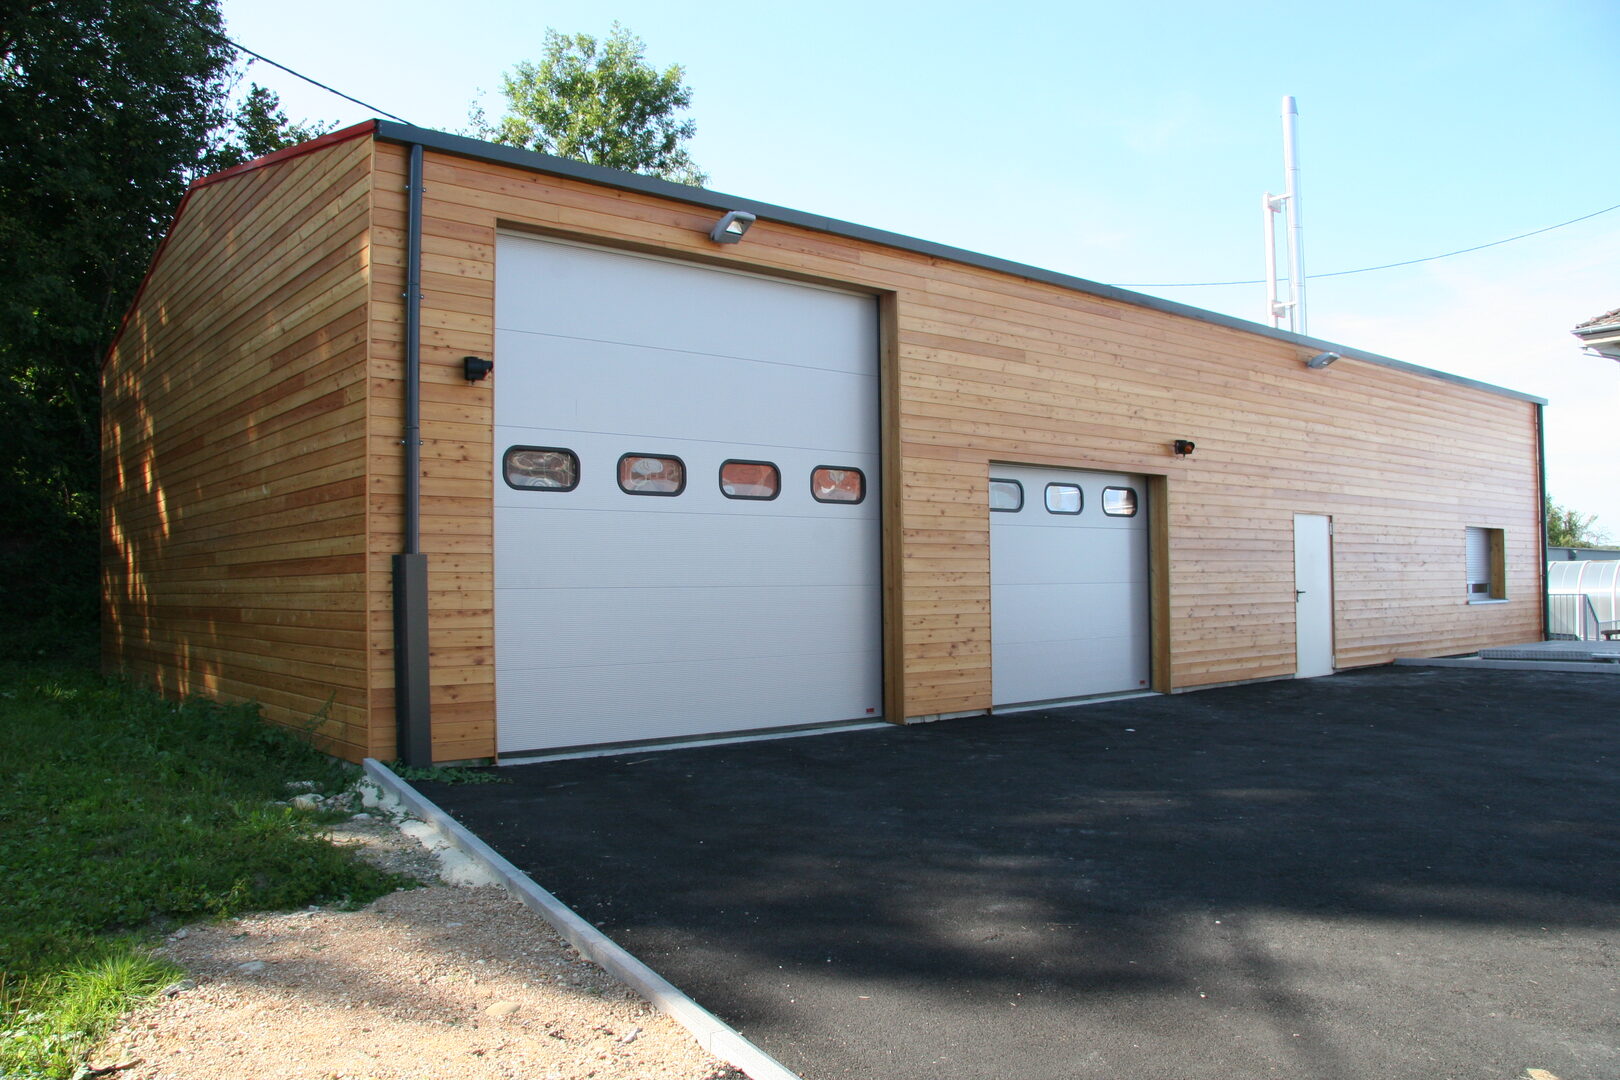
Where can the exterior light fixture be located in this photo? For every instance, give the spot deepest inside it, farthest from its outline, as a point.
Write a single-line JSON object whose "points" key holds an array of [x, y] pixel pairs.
{"points": [[1184, 447], [475, 368], [730, 229], [1321, 360]]}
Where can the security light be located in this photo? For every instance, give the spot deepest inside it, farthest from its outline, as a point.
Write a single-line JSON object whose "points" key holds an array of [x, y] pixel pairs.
{"points": [[1321, 360], [730, 229]]}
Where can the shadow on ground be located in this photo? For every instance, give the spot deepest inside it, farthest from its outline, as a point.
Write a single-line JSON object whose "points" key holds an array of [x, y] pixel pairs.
{"points": [[1398, 872]]}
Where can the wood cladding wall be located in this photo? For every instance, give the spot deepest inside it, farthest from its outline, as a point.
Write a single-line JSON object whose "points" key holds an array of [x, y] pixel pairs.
{"points": [[233, 447], [988, 367]]}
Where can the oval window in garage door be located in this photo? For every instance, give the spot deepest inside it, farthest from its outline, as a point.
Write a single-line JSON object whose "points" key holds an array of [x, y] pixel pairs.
{"points": [[646, 474], [834, 485], [750, 480], [541, 468]]}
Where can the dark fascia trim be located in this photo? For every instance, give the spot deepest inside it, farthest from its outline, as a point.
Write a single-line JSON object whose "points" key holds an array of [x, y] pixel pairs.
{"points": [[478, 150]]}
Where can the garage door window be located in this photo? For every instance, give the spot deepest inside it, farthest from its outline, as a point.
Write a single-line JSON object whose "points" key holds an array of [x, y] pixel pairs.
{"points": [[1063, 499], [750, 480], [834, 485], [1007, 496], [541, 468], [1119, 502], [645, 474]]}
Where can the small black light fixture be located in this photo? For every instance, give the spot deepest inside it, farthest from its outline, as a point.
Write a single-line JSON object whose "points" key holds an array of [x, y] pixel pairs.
{"points": [[476, 368], [730, 228], [1184, 447], [1321, 360]]}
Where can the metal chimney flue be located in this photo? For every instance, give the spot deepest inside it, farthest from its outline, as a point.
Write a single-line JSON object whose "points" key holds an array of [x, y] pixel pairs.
{"points": [[1287, 203]]}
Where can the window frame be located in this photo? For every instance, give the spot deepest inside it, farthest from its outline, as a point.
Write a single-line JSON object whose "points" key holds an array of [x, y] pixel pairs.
{"points": [[1006, 509], [838, 468], [506, 457], [1136, 502], [618, 474], [1079, 492], [720, 479], [1495, 565]]}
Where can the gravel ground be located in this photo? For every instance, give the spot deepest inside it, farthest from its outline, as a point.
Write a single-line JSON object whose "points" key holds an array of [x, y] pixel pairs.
{"points": [[449, 982]]}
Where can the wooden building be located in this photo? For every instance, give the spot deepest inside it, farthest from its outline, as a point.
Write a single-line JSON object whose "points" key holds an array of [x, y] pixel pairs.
{"points": [[809, 474]]}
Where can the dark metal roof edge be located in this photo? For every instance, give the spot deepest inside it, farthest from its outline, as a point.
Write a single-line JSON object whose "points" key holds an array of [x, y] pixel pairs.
{"points": [[715, 200]]}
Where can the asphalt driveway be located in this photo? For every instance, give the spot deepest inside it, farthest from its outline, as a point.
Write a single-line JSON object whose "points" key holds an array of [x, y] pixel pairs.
{"points": [[1396, 873]]}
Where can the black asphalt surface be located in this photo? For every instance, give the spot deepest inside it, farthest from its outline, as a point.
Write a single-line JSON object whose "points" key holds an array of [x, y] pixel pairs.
{"points": [[1388, 874]]}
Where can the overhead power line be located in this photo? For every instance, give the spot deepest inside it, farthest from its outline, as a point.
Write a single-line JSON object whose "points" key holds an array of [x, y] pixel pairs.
{"points": [[313, 82], [1369, 269]]}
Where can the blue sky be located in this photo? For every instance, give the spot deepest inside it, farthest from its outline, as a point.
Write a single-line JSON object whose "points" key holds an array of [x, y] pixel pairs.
{"points": [[1128, 144]]}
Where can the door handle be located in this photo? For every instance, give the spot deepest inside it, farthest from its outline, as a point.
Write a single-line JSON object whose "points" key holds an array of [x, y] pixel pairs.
{"points": [[1297, 594]]}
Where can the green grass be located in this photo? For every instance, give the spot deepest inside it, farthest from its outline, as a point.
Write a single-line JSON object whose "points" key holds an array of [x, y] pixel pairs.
{"points": [[121, 815]]}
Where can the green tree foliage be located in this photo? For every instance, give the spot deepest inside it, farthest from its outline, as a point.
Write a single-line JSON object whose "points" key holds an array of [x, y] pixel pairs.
{"points": [[108, 108], [104, 105], [599, 102], [1567, 527], [256, 127]]}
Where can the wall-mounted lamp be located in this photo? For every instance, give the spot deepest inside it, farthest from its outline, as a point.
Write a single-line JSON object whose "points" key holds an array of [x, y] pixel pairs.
{"points": [[475, 368], [730, 229], [1184, 447], [1321, 360]]}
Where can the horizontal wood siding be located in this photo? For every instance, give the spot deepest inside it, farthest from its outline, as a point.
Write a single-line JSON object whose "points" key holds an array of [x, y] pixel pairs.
{"points": [[233, 446], [987, 367], [458, 311]]}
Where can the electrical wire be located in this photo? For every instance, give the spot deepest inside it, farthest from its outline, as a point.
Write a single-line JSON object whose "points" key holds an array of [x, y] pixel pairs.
{"points": [[313, 82], [1370, 269]]}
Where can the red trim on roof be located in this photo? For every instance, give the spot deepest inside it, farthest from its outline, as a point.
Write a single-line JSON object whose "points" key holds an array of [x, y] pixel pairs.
{"points": [[365, 127]]}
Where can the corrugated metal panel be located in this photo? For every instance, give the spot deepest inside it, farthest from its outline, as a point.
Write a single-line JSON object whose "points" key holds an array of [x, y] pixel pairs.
{"points": [[622, 617]]}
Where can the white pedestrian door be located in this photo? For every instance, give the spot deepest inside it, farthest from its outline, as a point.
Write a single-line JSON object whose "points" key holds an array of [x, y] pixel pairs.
{"points": [[1068, 584], [1313, 595]]}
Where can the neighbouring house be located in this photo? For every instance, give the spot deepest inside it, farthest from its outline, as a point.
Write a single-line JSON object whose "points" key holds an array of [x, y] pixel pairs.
{"points": [[1601, 334], [740, 468]]}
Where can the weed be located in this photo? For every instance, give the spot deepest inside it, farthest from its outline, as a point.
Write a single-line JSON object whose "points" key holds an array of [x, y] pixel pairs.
{"points": [[124, 813]]}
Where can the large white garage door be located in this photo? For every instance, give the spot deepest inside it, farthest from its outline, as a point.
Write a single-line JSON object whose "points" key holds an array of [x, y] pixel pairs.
{"points": [[686, 501], [1068, 584]]}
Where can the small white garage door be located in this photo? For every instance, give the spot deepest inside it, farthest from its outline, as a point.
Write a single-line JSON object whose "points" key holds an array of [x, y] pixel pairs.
{"points": [[1068, 584], [686, 500]]}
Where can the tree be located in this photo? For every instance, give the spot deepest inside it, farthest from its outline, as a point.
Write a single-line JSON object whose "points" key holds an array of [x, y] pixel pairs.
{"points": [[108, 108], [1567, 527], [599, 102], [255, 128]]}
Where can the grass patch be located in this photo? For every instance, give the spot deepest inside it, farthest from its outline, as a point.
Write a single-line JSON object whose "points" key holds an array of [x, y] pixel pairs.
{"points": [[123, 814]]}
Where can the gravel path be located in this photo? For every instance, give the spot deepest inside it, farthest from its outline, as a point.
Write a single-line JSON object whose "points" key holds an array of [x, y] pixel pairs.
{"points": [[443, 982]]}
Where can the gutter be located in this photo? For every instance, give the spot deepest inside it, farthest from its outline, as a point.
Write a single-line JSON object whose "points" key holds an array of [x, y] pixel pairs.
{"points": [[412, 711]]}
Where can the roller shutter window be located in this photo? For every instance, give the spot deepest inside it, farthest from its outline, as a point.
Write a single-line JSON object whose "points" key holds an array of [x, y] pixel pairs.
{"points": [[1485, 565]]}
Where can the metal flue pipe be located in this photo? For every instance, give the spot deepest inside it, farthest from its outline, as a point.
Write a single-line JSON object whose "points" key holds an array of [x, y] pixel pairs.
{"points": [[1296, 241]]}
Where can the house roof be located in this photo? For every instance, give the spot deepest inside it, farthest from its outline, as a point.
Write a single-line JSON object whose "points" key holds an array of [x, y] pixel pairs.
{"points": [[1608, 318]]}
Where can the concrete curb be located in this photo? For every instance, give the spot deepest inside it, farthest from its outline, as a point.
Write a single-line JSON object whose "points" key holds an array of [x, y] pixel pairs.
{"points": [[713, 1034]]}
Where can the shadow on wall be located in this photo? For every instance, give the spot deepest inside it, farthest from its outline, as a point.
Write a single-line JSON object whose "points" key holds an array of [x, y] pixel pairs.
{"points": [[233, 525]]}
